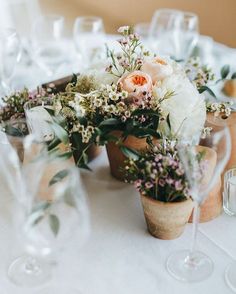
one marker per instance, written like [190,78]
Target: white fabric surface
[120,256]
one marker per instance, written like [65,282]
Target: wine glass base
[21,276]
[200,268]
[230,276]
[58,290]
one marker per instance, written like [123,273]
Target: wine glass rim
[51,16]
[88,18]
[36,100]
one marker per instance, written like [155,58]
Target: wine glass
[38,118]
[174,32]
[203,167]
[48,47]
[89,38]
[51,208]
[10,52]
[230,276]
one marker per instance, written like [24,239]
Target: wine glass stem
[196,213]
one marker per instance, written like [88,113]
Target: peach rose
[136,83]
[157,68]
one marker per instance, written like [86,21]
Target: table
[120,257]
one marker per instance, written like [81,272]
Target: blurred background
[217,18]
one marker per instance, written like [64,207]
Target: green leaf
[205,88]
[53,144]
[58,177]
[38,220]
[74,80]
[42,206]
[233,76]
[109,122]
[49,110]
[12,131]
[65,155]
[225,71]
[60,133]
[168,121]
[149,112]
[69,198]
[130,153]
[54,224]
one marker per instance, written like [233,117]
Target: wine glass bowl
[51,207]
[174,32]
[48,48]
[89,38]
[203,167]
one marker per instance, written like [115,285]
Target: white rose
[158,68]
[100,75]
[187,108]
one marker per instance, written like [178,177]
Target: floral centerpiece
[133,96]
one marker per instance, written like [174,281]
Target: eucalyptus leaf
[130,153]
[41,206]
[38,220]
[205,88]
[168,121]
[58,177]
[54,224]
[74,80]
[12,131]
[69,199]
[110,122]
[53,144]
[225,71]
[49,110]
[65,155]
[233,76]
[60,133]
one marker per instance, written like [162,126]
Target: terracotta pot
[116,157]
[231,123]
[166,220]
[212,206]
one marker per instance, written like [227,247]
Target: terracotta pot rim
[165,203]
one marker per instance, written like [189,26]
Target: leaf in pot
[202,89]
[74,80]
[225,71]
[129,152]
[58,177]
[54,224]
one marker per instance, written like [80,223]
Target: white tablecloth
[120,257]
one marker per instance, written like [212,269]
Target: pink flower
[178,185]
[161,182]
[137,84]
[157,68]
[148,185]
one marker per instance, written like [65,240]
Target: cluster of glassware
[50,206]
